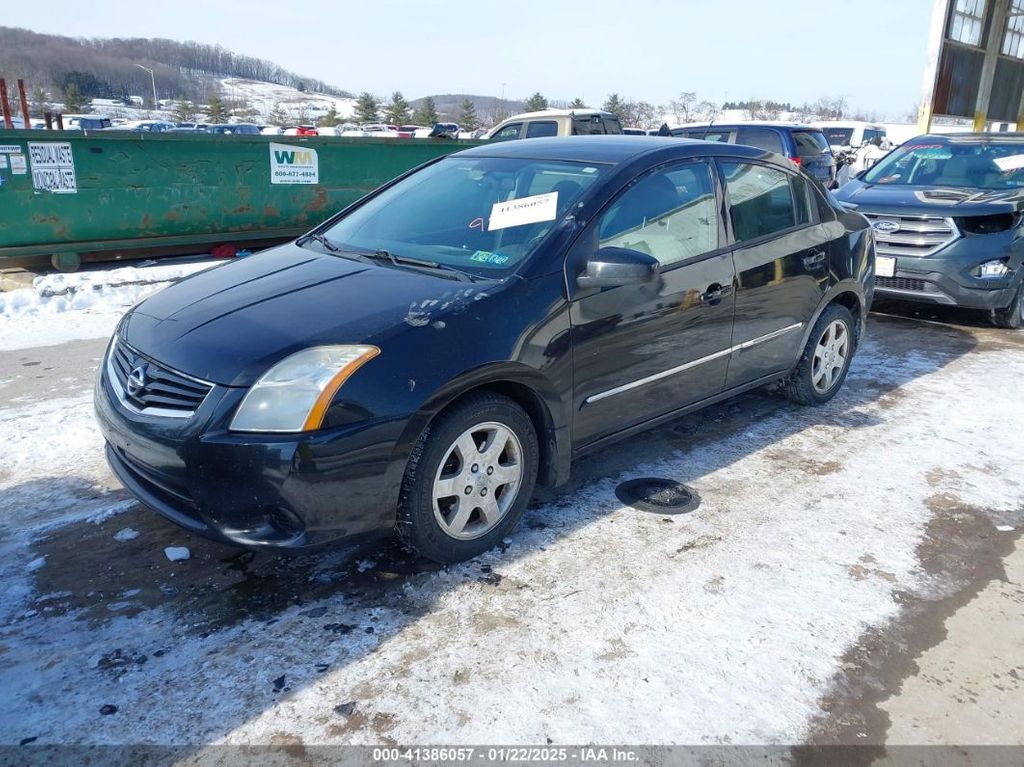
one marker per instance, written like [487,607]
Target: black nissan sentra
[426,357]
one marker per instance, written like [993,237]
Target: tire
[484,450]
[825,360]
[1012,316]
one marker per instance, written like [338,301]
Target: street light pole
[152,78]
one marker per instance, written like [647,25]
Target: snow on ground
[87,304]
[264,96]
[596,623]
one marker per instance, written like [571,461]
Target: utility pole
[152,78]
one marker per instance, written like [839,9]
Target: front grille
[152,388]
[901,283]
[916,236]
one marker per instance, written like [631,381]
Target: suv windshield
[838,136]
[936,162]
[479,215]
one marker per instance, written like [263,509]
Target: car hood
[930,201]
[229,324]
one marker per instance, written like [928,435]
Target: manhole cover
[661,496]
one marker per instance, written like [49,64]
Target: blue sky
[870,51]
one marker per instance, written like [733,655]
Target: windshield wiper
[322,239]
[385,255]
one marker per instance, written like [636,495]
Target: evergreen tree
[185,112]
[73,99]
[616,106]
[330,118]
[277,116]
[577,103]
[216,110]
[467,115]
[535,103]
[367,108]
[427,113]
[37,103]
[397,111]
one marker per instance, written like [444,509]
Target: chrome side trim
[689,365]
[129,406]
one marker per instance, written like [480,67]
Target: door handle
[714,294]
[817,258]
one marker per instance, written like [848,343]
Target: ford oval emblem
[886,227]
[137,380]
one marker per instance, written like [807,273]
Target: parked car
[409,131]
[802,144]
[85,122]
[856,146]
[144,126]
[425,357]
[635,132]
[556,122]
[234,129]
[948,215]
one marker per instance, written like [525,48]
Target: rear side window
[760,200]
[810,143]
[508,132]
[801,199]
[541,129]
[762,138]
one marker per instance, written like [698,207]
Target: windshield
[480,215]
[935,162]
[838,136]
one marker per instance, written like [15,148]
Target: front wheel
[469,479]
[825,360]
[1013,315]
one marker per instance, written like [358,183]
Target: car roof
[971,138]
[557,113]
[604,149]
[753,124]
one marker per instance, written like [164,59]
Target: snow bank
[69,307]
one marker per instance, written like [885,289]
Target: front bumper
[280,491]
[945,278]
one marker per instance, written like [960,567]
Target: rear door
[815,154]
[641,351]
[781,257]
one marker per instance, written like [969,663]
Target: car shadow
[114,571]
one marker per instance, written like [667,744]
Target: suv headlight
[293,396]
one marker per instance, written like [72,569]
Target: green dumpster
[68,193]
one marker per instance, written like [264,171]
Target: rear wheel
[469,479]
[1011,316]
[826,359]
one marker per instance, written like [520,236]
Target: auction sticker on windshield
[291,164]
[53,167]
[525,210]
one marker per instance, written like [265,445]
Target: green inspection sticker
[487,257]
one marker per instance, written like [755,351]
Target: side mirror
[615,267]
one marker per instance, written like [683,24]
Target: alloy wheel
[830,356]
[478,480]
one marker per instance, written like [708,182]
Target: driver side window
[670,214]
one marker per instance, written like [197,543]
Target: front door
[782,266]
[642,351]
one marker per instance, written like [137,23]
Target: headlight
[991,270]
[294,395]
